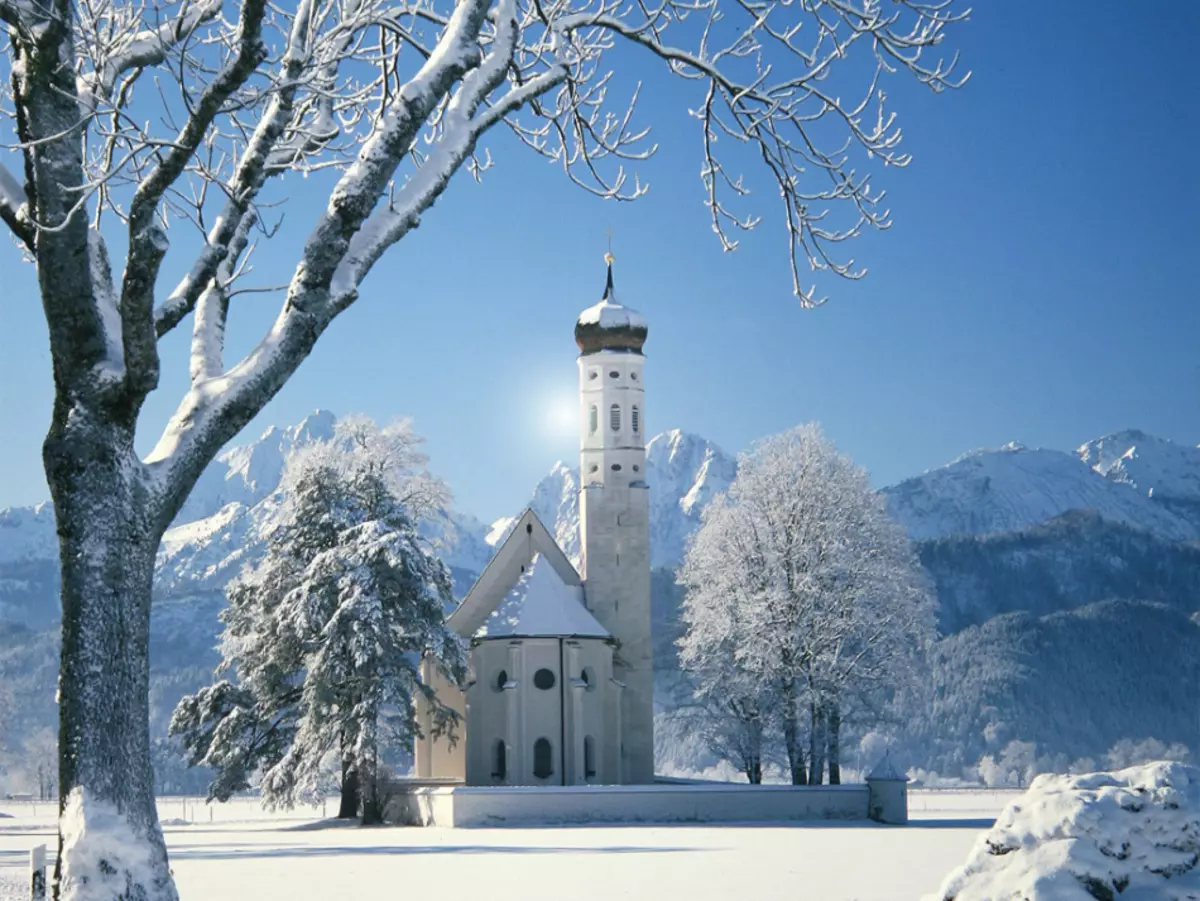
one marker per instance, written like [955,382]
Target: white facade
[614,512]
[561,687]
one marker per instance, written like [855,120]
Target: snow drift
[1132,835]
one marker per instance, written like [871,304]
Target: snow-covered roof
[541,604]
[609,314]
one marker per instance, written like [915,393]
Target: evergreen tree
[324,636]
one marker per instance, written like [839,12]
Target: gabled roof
[528,538]
[541,604]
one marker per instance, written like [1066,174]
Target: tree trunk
[791,742]
[349,806]
[752,767]
[372,810]
[816,744]
[110,842]
[833,742]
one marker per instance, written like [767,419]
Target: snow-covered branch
[131,47]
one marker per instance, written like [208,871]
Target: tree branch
[14,209]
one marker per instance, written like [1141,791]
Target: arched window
[614,417]
[543,758]
[635,419]
[593,419]
[500,760]
[589,757]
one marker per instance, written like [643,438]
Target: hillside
[1073,682]
[1069,561]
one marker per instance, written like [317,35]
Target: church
[561,683]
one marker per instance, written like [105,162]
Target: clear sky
[1040,284]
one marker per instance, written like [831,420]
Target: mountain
[1073,682]
[1020,544]
[1015,487]
[1069,561]
[684,472]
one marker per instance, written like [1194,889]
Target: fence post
[37,873]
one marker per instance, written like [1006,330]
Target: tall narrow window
[500,761]
[589,757]
[614,417]
[593,419]
[543,758]
[635,419]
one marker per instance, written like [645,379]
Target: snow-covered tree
[136,118]
[323,636]
[799,583]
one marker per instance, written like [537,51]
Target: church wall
[591,725]
[437,757]
[520,714]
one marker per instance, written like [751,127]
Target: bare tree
[812,593]
[132,118]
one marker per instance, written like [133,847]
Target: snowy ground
[243,853]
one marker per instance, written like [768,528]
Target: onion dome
[610,326]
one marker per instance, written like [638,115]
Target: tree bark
[791,741]
[108,538]
[833,742]
[816,744]
[752,767]
[349,806]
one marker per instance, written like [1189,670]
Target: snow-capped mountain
[683,471]
[1015,487]
[1151,466]
[248,473]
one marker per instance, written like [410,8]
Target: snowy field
[237,851]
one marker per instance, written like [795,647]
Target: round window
[613,374]
[544,679]
[501,680]
[616,467]
[589,679]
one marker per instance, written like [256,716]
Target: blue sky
[1040,283]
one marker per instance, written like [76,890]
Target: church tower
[614,512]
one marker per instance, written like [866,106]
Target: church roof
[609,325]
[541,604]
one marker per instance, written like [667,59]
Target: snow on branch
[397,96]
[113,32]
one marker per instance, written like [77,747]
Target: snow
[1151,466]
[1133,833]
[607,314]
[541,604]
[100,851]
[1016,487]
[296,857]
